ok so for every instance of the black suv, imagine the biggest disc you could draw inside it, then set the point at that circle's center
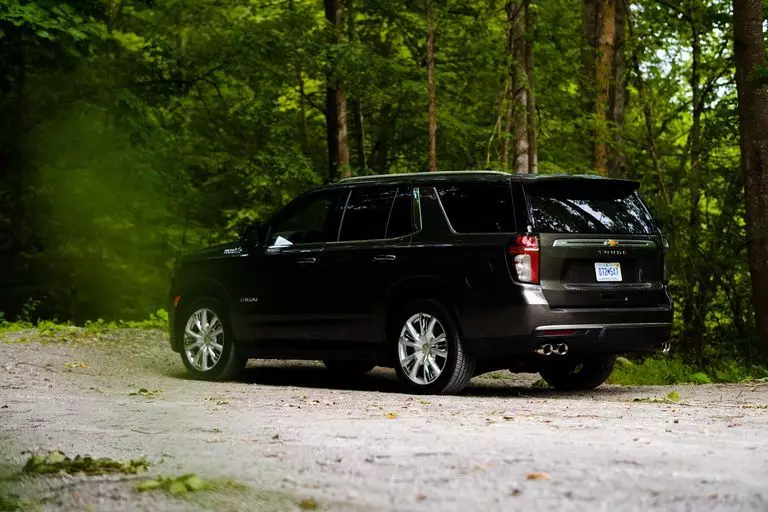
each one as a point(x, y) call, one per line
point(442, 276)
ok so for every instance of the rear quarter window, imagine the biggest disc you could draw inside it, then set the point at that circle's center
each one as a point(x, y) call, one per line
point(588, 207)
point(478, 207)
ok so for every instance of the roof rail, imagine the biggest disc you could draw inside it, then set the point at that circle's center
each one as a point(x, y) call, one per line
point(409, 174)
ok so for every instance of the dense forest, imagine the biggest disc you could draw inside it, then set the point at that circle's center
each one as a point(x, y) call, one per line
point(132, 131)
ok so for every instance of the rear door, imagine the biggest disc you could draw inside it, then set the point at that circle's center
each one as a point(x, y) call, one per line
point(369, 256)
point(599, 244)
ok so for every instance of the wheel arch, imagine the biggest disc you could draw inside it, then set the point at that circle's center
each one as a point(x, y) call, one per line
point(190, 292)
point(418, 288)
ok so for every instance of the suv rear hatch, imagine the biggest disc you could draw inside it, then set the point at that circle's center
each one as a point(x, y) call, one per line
point(599, 245)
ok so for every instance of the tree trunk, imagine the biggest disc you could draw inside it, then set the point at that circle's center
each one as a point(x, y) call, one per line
point(749, 51)
point(301, 115)
point(589, 16)
point(692, 309)
point(357, 107)
point(517, 110)
point(335, 100)
point(533, 157)
point(617, 165)
point(509, 94)
point(603, 75)
point(431, 88)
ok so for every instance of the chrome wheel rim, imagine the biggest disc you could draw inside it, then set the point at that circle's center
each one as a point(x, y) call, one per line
point(422, 348)
point(203, 339)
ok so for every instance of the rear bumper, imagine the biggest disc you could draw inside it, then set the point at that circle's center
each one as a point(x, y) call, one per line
point(617, 331)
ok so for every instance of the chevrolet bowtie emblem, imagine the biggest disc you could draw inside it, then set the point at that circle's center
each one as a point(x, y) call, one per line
point(611, 243)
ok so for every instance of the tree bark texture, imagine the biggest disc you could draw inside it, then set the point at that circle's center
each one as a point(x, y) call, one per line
point(335, 99)
point(603, 74)
point(431, 88)
point(749, 51)
point(589, 16)
point(530, 20)
point(617, 165)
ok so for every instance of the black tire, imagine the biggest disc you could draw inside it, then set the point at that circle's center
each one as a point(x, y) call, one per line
point(458, 366)
point(579, 374)
point(231, 361)
point(348, 366)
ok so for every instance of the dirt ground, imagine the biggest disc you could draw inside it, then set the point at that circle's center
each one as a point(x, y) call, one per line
point(295, 436)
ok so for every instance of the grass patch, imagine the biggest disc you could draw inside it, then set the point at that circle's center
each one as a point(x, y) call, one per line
point(55, 462)
point(178, 486)
point(664, 370)
point(65, 331)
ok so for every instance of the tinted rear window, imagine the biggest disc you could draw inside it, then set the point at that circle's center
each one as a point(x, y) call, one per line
point(478, 208)
point(588, 207)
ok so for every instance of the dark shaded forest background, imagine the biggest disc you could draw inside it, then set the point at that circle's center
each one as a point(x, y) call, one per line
point(134, 131)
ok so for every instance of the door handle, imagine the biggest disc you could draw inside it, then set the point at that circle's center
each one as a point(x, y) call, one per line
point(306, 261)
point(383, 258)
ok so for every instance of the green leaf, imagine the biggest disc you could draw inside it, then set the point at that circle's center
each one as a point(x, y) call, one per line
point(673, 396)
point(194, 483)
point(177, 487)
point(149, 485)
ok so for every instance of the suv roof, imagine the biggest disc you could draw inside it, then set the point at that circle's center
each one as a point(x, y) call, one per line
point(443, 176)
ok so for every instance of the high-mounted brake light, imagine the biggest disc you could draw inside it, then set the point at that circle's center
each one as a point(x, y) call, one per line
point(524, 258)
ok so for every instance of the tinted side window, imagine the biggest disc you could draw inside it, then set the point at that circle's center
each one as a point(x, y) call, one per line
point(304, 223)
point(367, 213)
point(478, 208)
point(401, 218)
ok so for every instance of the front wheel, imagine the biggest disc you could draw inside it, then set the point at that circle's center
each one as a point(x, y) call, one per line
point(208, 349)
point(430, 355)
point(579, 375)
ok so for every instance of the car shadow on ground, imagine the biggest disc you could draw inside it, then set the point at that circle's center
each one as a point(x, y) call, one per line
point(302, 374)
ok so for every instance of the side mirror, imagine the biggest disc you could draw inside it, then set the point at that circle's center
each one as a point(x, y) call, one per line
point(250, 234)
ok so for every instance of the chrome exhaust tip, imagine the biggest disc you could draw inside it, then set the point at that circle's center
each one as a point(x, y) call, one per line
point(544, 350)
point(561, 349)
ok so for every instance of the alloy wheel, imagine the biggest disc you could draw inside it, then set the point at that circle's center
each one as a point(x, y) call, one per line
point(422, 348)
point(203, 339)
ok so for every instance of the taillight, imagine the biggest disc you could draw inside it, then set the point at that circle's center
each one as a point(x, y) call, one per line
point(524, 258)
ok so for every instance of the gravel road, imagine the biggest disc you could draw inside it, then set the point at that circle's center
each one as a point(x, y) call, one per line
point(297, 437)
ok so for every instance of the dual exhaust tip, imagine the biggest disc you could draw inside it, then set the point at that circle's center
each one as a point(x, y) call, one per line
point(548, 349)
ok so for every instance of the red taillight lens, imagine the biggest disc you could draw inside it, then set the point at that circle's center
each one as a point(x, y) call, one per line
point(524, 258)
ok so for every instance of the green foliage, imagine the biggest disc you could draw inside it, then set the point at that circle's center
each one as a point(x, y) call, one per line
point(662, 370)
point(178, 486)
point(133, 132)
point(55, 462)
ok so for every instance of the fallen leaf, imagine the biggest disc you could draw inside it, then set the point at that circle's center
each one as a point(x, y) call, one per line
point(421, 497)
point(391, 415)
point(309, 504)
point(538, 476)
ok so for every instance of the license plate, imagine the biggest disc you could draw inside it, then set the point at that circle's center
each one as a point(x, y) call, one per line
point(608, 272)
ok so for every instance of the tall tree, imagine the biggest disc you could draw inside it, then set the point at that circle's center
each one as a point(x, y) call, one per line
point(335, 98)
point(589, 16)
point(533, 157)
point(606, 36)
point(357, 107)
point(749, 51)
point(617, 161)
point(519, 87)
point(431, 87)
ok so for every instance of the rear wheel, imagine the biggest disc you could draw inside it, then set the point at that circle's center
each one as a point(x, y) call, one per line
point(208, 349)
point(429, 354)
point(579, 374)
point(348, 366)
